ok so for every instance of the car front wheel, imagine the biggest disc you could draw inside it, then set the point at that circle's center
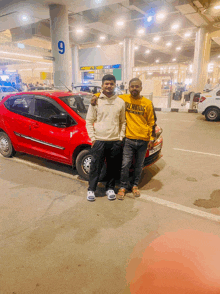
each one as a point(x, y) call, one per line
point(6, 148)
point(83, 162)
point(212, 114)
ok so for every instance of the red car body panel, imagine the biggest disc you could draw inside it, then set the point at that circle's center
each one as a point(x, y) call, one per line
point(68, 139)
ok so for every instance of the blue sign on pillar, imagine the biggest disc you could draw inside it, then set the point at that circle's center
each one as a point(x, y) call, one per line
point(61, 47)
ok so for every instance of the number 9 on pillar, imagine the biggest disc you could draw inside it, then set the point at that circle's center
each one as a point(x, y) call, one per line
point(61, 47)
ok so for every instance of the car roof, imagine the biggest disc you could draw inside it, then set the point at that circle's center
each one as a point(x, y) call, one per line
point(48, 93)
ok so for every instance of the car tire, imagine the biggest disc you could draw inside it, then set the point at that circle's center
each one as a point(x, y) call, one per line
point(212, 114)
point(83, 161)
point(6, 147)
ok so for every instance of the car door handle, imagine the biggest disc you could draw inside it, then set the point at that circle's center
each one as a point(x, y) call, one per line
point(34, 126)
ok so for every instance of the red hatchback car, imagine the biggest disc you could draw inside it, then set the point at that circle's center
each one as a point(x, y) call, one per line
point(52, 125)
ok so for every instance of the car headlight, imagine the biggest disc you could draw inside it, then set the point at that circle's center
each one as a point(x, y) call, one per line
point(158, 133)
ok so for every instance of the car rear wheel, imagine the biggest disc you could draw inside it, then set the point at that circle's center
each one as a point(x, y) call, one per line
point(6, 148)
point(212, 114)
point(83, 162)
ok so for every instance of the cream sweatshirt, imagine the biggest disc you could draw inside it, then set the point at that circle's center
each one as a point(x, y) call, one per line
point(106, 121)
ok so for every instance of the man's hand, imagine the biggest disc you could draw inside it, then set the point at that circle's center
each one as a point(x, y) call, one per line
point(94, 100)
point(93, 142)
point(150, 145)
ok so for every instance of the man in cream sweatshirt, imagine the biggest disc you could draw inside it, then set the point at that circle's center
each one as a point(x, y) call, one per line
point(105, 125)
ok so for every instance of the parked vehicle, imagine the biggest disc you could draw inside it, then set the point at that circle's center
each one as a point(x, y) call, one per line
point(209, 104)
point(5, 90)
point(52, 125)
point(93, 89)
point(40, 88)
point(88, 88)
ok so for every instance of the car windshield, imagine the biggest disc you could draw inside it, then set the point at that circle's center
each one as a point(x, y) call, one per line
point(78, 103)
point(8, 89)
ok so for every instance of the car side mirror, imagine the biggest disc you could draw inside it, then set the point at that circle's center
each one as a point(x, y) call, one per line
point(59, 119)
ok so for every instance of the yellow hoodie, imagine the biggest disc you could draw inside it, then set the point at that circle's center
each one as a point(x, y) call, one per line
point(140, 117)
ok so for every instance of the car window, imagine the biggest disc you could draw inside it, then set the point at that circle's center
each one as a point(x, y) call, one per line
point(44, 109)
point(218, 93)
point(20, 104)
point(78, 103)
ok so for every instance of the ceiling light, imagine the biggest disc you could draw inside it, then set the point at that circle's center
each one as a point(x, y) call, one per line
point(168, 44)
point(121, 43)
point(175, 26)
point(24, 17)
point(18, 54)
point(147, 51)
point(149, 19)
point(217, 7)
point(102, 38)
point(174, 59)
point(150, 73)
point(160, 16)
point(157, 60)
point(141, 31)
point(120, 23)
point(136, 48)
point(157, 38)
point(188, 34)
point(219, 56)
point(178, 48)
point(79, 31)
point(15, 59)
point(98, 46)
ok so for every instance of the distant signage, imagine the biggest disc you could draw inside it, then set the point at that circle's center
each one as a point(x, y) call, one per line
point(100, 67)
point(49, 58)
point(88, 76)
point(45, 76)
point(87, 67)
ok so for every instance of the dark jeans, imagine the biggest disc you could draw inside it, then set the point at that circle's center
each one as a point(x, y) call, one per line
point(101, 150)
point(137, 149)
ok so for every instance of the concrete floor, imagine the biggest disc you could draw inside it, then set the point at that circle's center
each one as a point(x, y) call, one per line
point(54, 241)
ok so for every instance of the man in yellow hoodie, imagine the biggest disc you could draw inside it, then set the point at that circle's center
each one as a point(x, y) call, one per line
point(140, 123)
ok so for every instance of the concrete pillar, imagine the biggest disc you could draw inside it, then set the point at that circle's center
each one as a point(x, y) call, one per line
point(128, 59)
point(75, 65)
point(60, 45)
point(201, 59)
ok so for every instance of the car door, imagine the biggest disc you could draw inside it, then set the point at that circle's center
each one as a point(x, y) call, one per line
point(217, 99)
point(18, 119)
point(50, 140)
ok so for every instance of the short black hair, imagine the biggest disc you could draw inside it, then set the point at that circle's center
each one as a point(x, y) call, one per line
point(135, 80)
point(108, 78)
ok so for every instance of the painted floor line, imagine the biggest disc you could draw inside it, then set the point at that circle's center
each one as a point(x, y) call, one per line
point(204, 153)
point(43, 168)
point(180, 207)
point(179, 120)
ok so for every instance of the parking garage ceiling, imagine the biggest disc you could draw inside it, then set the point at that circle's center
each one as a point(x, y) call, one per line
point(99, 18)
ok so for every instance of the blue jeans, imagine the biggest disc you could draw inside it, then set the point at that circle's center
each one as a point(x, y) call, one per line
point(137, 149)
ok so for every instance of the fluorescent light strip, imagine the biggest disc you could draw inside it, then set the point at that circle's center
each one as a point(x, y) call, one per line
point(18, 54)
point(44, 63)
point(15, 59)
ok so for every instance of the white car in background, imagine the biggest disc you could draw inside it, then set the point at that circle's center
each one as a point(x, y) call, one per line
point(6, 90)
point(209, 104)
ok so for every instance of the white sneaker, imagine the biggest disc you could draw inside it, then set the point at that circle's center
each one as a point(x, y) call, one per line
point(90, 196)
point(111, 194)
